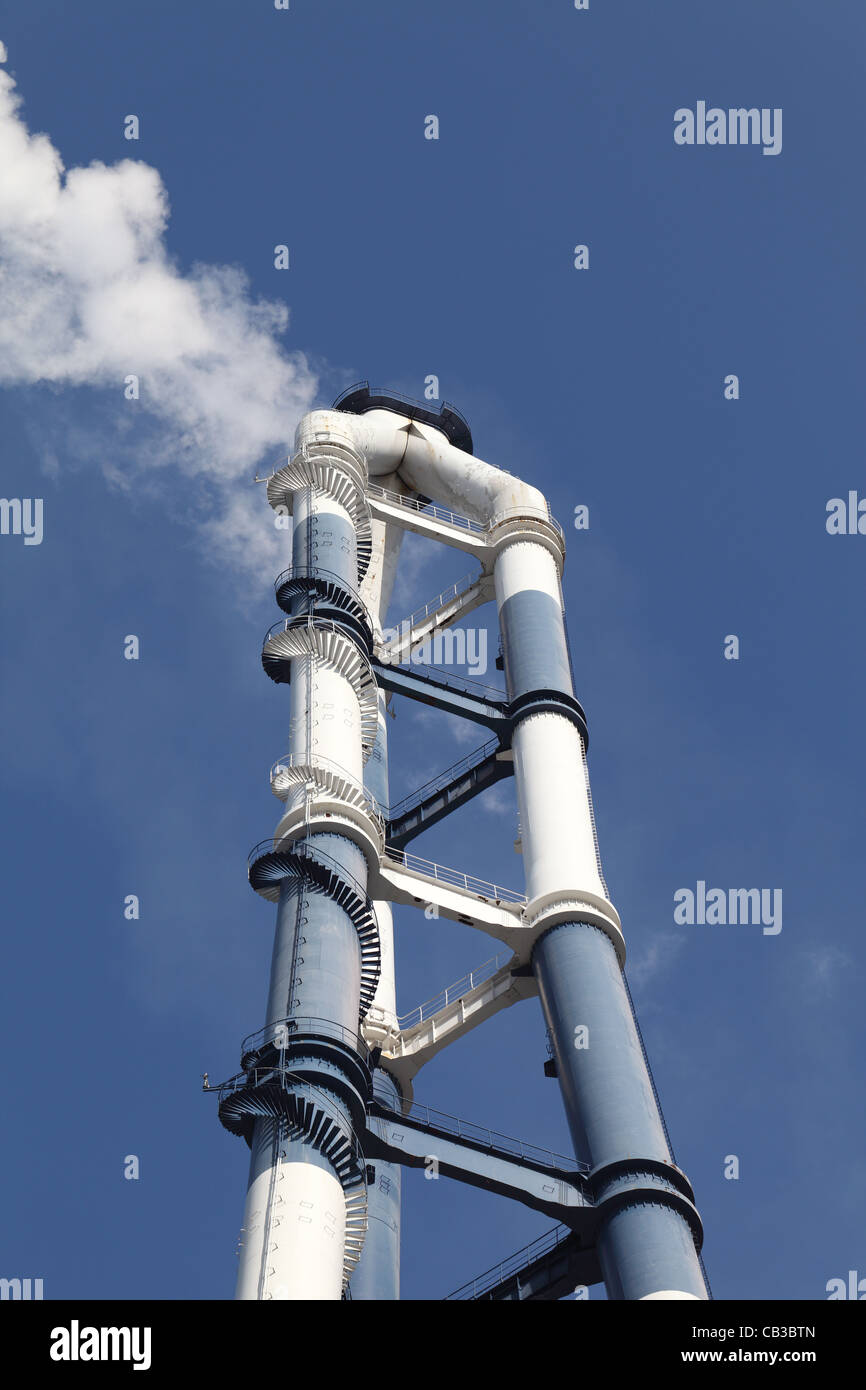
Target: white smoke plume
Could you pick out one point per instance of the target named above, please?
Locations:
(89, 295)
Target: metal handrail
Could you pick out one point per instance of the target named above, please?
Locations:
(490, 1139)
(303, 850)
(463, 522)
(423, 671)
(380, 391)
(315, 572)
(442, 779)
(243, 1080)
(281, 462)
(452, 993)
(280, 1031)
(285, 460)
(526, 514)
(460, 586)
(507, 1269)
(592, 823)
(308, 620)
(453, 877)
(377, 810)
(257, 1076)
(426, 508)
(704, 1273)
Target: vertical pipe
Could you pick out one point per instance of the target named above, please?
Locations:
(646, 1248)
(296, 1215)
(294, 1222)
(377, 1277)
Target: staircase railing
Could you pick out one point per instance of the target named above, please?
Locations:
(507, 1269)
(444, 779)
(447, 996)
(455, 590)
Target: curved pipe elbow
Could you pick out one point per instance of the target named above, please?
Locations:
(427, 463)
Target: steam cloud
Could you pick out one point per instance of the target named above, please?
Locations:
(89, 295)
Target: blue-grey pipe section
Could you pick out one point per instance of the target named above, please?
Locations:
(315, 975)
(646, 1243)
(377, 1277)
(647, 1248)
(376, 769)
(316, 963)
(644, 1247)
(608, 1097)
(533, 644)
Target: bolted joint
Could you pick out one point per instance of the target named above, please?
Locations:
(635, 1181)
(550, 702)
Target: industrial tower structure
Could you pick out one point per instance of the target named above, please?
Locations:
(324, 1097)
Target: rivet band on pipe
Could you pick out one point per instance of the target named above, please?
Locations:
(550, 702)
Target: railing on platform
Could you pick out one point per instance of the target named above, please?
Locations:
(283, 1031)
(453, 878)
(424, 508)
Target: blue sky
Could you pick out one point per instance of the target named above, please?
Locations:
(603, 388)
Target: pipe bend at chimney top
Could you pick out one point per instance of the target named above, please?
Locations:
(427, 463)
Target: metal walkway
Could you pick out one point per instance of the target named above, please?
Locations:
(474, 773)
(545, 1270)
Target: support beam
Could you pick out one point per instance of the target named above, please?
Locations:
(407, 1050)
(550, 1268)
(405, 878)
(448, 693)
(452, 789)
(453, 604)
(436, 523)
(555, 1191)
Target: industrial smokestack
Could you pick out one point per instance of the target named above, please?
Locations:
(325, 1096)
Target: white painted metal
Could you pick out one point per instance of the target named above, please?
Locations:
(558, 843)
(558, 838)
(522, 565)
(385, 998)
(439, 525)
(381, 576)
(294, 1231)
(427, 463)
(444, 611)
(406, 1050)
(668, 1294)
(295, 1245)
(509, 919)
